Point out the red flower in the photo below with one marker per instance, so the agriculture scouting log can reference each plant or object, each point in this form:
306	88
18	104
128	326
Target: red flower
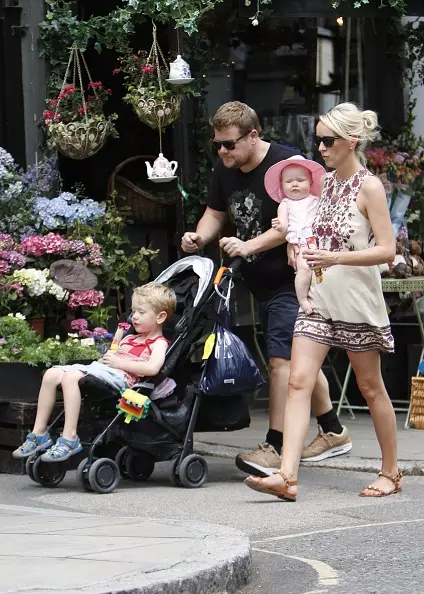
109	91
135	57
90	98
80	110
147	69
53	102
116	71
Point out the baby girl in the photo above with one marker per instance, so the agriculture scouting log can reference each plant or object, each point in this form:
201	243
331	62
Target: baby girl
295	184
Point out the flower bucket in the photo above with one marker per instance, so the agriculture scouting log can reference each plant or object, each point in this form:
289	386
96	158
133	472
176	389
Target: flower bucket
37	324
158	113
80	140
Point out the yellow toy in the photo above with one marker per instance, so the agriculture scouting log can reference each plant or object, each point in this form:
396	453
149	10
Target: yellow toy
135	406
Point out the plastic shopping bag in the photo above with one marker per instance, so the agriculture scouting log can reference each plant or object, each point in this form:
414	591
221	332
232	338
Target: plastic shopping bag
230	368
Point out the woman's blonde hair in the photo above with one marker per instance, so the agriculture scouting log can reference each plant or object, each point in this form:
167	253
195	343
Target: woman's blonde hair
349	122
158	296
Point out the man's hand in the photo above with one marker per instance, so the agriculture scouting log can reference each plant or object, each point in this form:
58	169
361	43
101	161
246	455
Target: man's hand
292	253
191	242
234	247
110	358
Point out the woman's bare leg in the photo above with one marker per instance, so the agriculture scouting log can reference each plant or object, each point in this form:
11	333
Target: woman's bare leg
302	282
72	403
307	359
47	399
367	370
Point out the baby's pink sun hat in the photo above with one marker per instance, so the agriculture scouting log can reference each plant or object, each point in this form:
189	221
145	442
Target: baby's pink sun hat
273	176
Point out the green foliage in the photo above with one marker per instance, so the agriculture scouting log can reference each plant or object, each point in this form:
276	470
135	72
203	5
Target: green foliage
20	344
99	317
399	5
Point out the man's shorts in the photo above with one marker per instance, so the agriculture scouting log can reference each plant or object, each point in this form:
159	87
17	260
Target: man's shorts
278	316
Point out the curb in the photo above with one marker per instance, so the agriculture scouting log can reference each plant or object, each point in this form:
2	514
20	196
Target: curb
345	462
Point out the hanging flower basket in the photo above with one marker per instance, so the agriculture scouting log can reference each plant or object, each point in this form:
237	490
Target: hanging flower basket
80	140
158	113
76	124
154	100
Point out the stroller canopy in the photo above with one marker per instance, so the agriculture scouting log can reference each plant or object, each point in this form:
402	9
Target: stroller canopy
202	267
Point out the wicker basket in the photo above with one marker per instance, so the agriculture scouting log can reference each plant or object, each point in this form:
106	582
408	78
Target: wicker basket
417	402
80	140
145	206
159	113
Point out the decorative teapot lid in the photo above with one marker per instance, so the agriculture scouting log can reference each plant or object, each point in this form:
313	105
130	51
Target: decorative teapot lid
160	159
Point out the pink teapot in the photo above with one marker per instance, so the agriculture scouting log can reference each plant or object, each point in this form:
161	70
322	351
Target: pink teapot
161	167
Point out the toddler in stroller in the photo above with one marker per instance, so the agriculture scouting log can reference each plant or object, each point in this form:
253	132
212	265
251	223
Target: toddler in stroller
166	433
138	355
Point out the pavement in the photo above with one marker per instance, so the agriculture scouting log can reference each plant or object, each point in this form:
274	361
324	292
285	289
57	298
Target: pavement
155	538
364	456
76	552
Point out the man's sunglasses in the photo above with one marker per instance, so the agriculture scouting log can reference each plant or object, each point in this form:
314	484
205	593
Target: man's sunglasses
229	145
327	141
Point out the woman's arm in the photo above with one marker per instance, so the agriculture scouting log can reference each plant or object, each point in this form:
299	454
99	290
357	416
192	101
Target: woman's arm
141	368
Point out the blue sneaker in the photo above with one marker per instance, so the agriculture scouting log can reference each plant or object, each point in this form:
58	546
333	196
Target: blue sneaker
62	450
32	444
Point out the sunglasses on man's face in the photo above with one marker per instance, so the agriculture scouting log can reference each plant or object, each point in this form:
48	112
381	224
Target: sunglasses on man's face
327	141
229	145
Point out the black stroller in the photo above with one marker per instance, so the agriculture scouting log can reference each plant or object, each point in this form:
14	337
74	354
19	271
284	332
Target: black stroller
131	450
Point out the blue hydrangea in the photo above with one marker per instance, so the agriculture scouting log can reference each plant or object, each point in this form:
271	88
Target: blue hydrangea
65	209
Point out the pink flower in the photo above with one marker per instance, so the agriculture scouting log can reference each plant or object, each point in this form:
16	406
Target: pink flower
14	258
79	324
116	71
6	241
15	350
90	298
99	331
125	326
4	268
85	334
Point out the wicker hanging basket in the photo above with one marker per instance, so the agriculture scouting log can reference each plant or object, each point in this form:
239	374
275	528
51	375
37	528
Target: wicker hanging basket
145	206
159	113
82	139
417	402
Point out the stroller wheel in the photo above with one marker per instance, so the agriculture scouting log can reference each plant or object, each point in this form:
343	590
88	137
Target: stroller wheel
29	467
193	471
48	474
120	459
172	472
103	475
82	475
139	467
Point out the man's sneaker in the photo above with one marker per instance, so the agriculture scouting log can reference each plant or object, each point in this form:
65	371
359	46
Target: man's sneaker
327	445
62	450
32	444
261	462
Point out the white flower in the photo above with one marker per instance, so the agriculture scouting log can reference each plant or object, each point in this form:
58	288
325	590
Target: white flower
57	337
255	22
247	2
20	316
73	335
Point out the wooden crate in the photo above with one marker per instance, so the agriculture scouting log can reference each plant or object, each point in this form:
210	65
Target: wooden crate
16	419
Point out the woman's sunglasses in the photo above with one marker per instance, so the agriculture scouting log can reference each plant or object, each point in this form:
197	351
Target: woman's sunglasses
229	145
327	141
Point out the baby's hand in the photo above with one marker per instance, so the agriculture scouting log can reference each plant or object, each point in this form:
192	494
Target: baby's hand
276	224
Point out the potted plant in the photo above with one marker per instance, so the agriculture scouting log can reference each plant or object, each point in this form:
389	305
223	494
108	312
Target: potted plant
24	355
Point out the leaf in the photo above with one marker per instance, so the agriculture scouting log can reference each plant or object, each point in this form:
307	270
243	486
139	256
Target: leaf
98	47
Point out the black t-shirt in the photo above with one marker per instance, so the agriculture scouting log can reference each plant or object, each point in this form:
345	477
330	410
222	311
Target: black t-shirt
251	210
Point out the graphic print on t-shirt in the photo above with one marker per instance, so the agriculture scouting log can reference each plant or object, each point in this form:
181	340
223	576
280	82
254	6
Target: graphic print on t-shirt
246	215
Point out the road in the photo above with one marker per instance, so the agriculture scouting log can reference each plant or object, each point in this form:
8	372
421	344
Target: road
330	540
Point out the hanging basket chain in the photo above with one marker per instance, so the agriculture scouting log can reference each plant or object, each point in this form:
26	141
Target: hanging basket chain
74	63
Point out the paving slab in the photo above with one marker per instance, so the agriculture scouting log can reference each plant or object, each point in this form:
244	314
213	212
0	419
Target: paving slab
74	553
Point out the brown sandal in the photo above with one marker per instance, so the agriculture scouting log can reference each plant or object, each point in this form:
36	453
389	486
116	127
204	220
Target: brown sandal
395	480
257	485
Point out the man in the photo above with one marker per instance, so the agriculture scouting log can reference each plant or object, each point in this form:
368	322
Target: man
237	189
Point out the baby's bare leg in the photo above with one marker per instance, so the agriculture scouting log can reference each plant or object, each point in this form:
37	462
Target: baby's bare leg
302	283
47	399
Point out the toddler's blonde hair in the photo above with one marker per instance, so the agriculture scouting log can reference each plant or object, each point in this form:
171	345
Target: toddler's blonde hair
158	296
351	123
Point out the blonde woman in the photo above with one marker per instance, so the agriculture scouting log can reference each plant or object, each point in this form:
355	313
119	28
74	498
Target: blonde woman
354	234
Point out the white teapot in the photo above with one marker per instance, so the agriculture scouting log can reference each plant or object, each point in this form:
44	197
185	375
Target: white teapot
162	168
179	69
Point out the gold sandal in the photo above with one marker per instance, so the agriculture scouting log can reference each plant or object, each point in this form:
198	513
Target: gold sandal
257	485
380	493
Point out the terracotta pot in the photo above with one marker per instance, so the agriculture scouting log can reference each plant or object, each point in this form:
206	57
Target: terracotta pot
37	324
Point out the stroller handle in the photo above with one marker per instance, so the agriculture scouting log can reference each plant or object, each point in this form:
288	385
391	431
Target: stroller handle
229	270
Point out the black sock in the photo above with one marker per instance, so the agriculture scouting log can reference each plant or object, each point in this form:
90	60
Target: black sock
329	422
275	438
